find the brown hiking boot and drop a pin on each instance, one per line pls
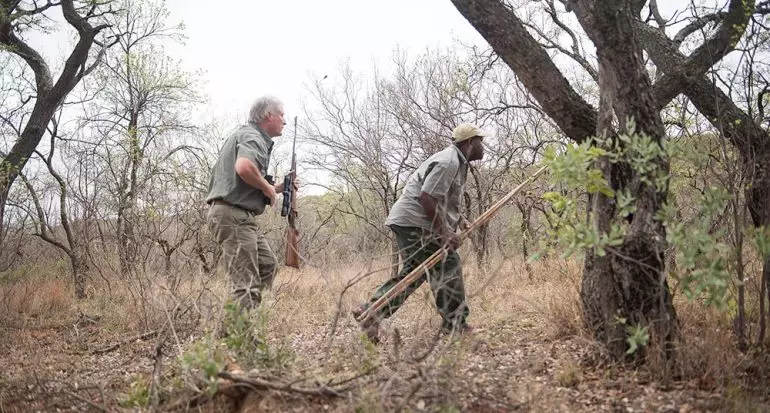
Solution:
(371, 327)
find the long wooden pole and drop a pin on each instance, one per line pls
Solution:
(441, 253)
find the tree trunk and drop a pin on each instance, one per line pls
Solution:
(127, 244)
(626, 288)
(78, 275)
(526, 236)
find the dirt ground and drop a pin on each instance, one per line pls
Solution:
(524, 355)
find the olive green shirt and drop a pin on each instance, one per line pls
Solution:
(250, 142)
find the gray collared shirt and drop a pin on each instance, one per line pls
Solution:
(250, 142)
(443, 177)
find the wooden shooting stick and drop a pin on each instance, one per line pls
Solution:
(441, 253)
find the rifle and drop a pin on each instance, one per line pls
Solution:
(289, 208)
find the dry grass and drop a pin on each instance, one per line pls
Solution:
(526, 356)
(35, 296)
(708, 350)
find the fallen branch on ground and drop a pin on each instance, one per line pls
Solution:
(240, 384)
(113, 347)
(261, 384)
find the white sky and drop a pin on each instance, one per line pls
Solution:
(249, 48)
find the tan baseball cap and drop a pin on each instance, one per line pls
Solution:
(465, 131)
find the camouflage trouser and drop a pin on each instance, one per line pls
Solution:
(445, 278)
(248, 259)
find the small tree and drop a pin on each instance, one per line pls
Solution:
(89, 19)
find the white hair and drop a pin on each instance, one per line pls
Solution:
(262, 106)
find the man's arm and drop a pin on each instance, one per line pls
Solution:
(250, 174)
(430, 206)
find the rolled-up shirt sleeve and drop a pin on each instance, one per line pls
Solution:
(438, 180)
(251, 149)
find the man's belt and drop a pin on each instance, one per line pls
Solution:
(222, 202)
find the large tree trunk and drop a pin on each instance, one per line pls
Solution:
(628, 283)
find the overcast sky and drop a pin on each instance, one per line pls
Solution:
(249, 48)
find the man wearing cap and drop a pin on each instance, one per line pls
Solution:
(424, 219)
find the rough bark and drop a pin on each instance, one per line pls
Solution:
(630, 281)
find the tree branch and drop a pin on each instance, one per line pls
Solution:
(260, 384)
(515, 45)
(43, 78)
(698, 24)
(656, 14)
(742, 131)
(703, 58)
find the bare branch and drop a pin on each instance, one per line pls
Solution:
(656, 14)
(698, 24)
(551, 43)
(510, 39)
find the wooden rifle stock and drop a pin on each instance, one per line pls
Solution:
(289, 208)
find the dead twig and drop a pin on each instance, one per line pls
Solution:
(86, 401)
(113, 347)
(256, 383)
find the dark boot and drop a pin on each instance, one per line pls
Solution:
(371, 327)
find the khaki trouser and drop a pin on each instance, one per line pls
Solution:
(247, 257)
